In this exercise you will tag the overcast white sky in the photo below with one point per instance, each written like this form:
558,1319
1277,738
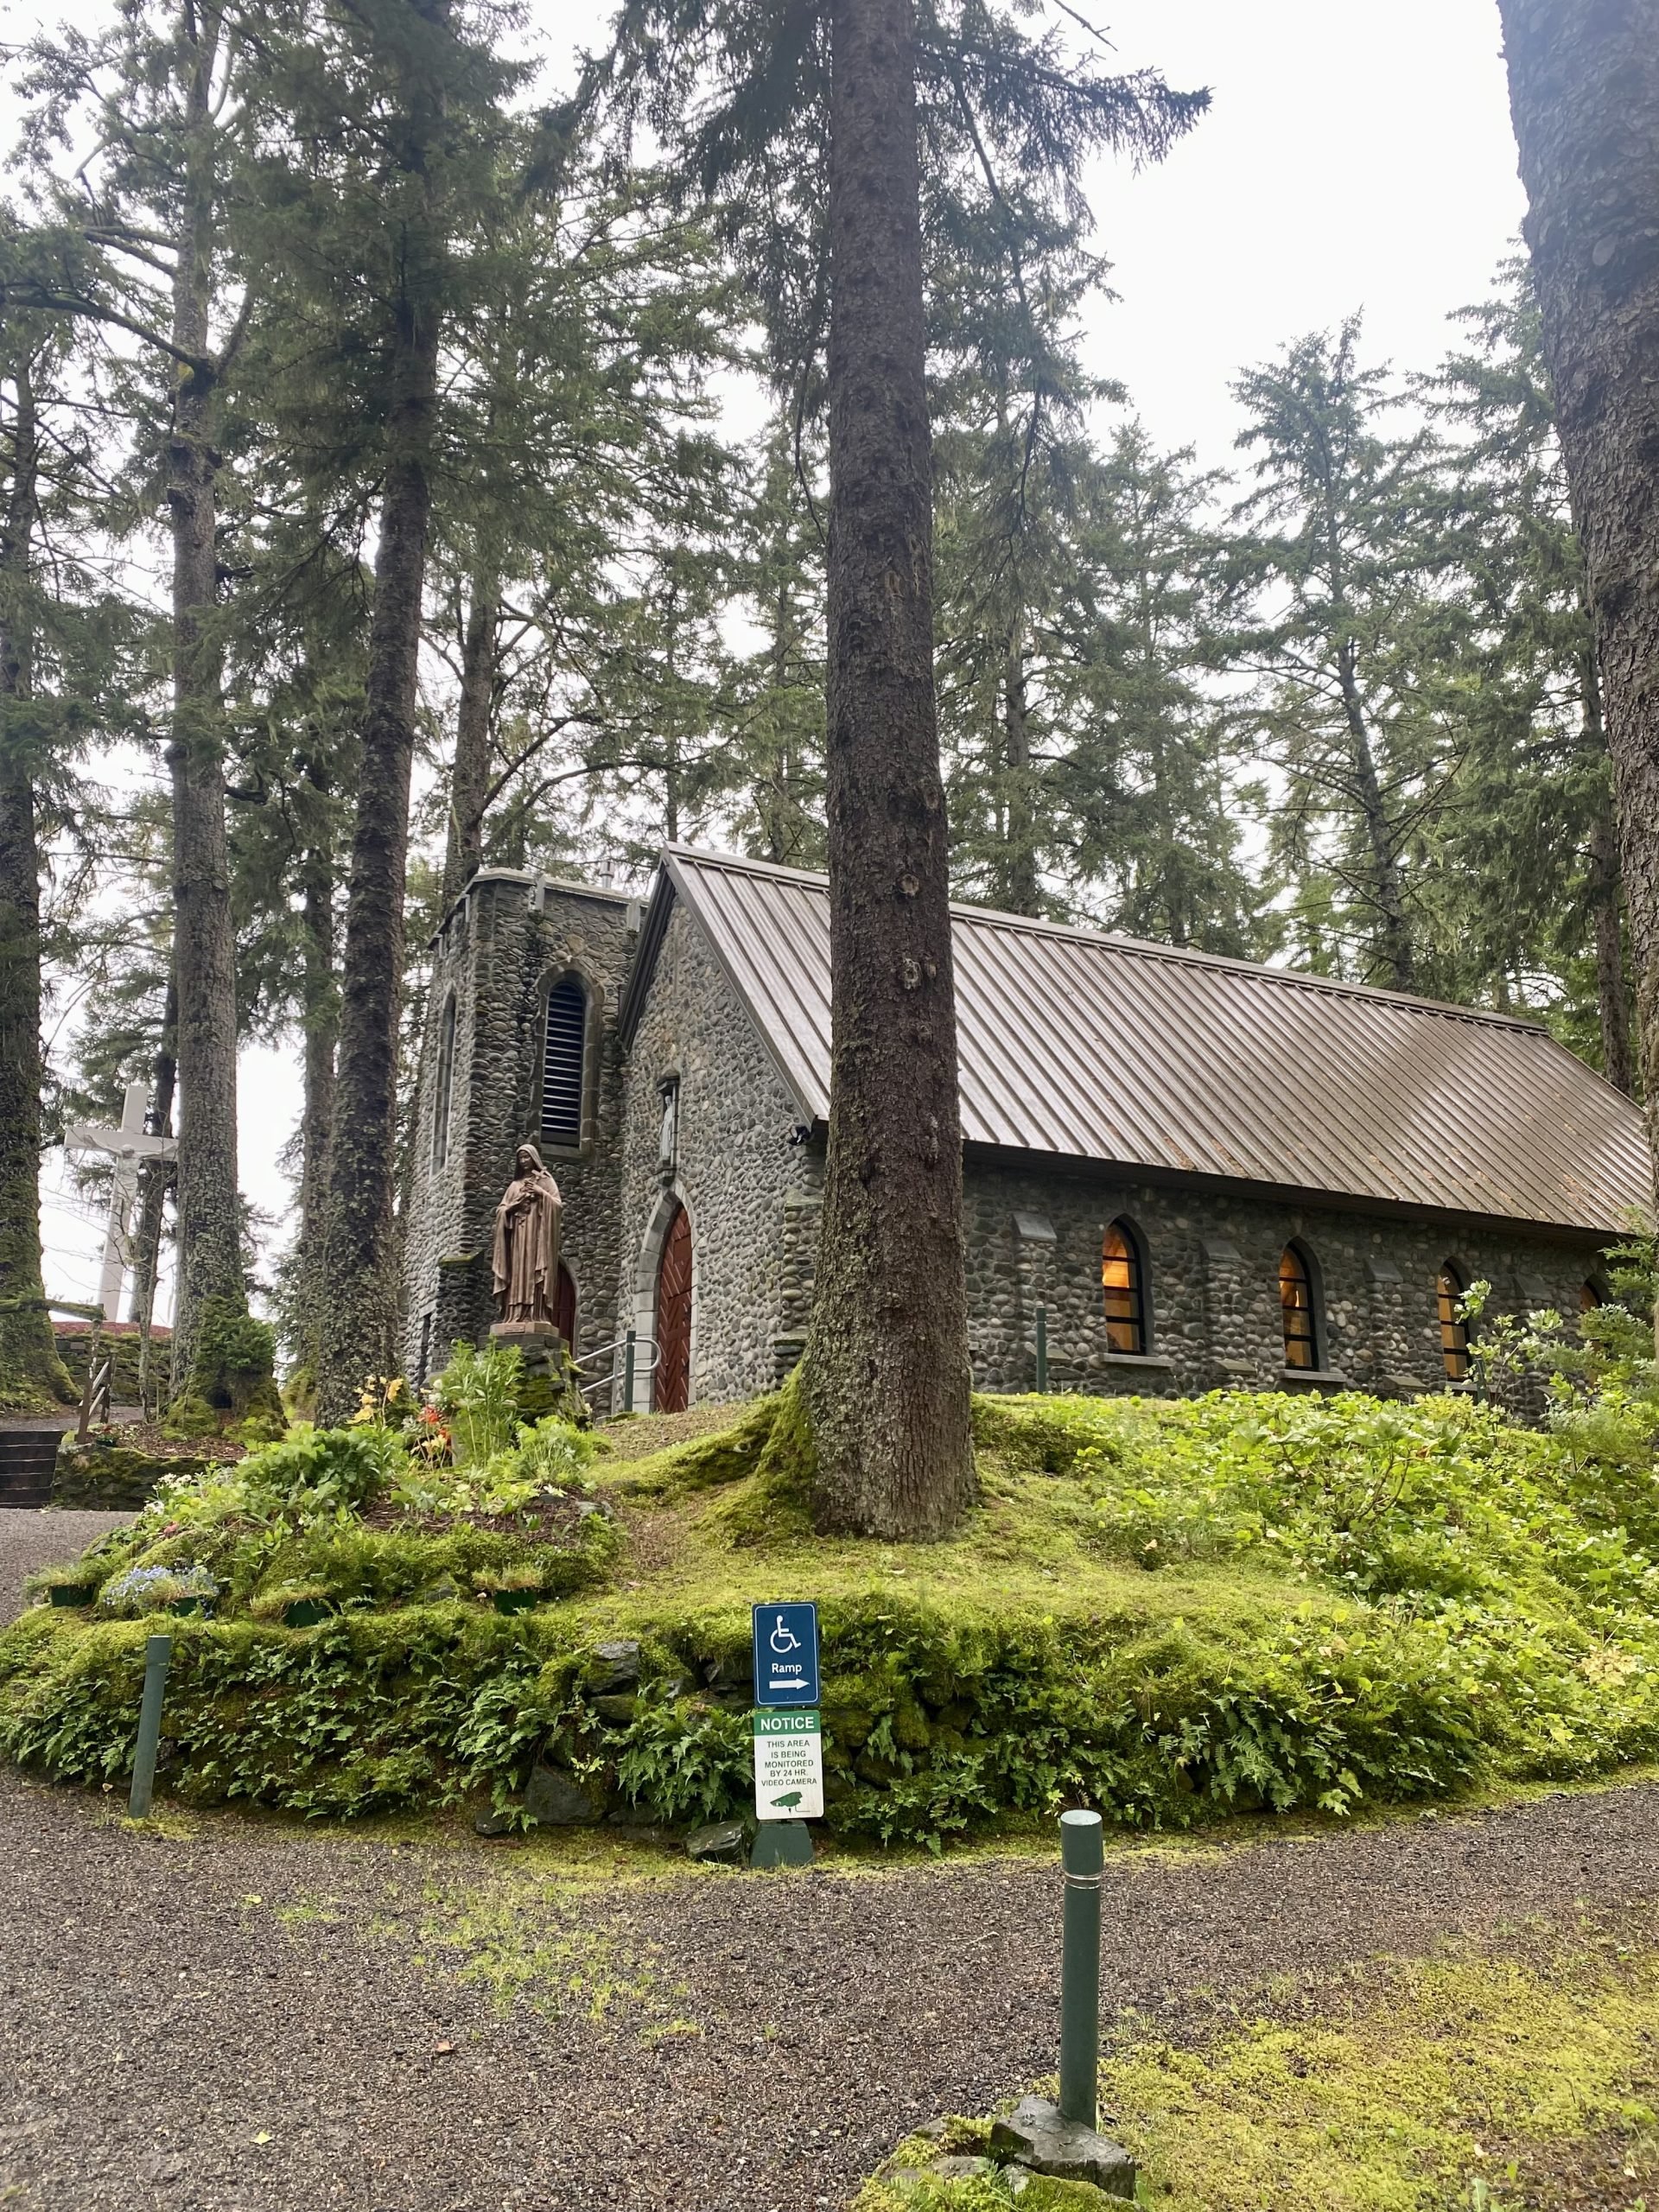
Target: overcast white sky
1354,157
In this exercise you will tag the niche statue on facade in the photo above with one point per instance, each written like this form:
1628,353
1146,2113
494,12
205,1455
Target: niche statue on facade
526,1262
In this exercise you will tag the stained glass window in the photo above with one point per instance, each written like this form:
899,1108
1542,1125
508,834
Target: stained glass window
1296,1308
1454,1329
1125,1295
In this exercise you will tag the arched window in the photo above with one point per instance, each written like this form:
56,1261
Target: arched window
1123,1286
444,1092
564,1055
1298,1309
1589,1298
1454,1329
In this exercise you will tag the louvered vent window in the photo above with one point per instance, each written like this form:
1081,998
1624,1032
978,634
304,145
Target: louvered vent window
562,1062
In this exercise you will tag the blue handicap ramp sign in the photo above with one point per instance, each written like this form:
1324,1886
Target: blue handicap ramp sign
786,1655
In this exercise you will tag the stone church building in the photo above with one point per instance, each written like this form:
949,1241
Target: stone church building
1197,1172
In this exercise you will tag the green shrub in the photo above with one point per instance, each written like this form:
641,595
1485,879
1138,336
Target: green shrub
478,1393
317,1474
1161,1608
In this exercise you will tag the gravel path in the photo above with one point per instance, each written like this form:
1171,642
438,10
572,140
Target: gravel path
240,2016
32,1540
235,2015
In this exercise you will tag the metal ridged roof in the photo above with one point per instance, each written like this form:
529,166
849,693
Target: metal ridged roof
1101,1048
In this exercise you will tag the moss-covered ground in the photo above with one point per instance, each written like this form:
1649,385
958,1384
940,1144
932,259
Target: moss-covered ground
1519,2074
1169,1610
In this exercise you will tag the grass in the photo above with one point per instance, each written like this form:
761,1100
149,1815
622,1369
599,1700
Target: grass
1486,2078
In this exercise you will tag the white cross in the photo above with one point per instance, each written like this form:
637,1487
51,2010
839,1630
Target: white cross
129,1145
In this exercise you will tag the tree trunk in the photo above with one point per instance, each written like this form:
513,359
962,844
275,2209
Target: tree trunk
1584,93
1607,891
1394,935
210,1272
156,1177
32,1376
887,1371
1617,1064
470,781
317,1106
358,1333
1019,890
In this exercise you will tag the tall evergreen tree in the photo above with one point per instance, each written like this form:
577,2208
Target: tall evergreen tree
777,690
1149,781
1584,93
1347,643
142,224
805,127
377,167
31,1373
575,457
1532,842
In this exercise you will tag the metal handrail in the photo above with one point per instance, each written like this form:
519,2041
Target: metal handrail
628,1343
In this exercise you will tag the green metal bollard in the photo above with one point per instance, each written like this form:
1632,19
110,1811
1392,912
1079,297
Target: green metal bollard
158,1653
627,1374
1082,1857
1042,1349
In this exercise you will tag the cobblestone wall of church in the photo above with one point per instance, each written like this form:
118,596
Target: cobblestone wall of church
509,938
735,1170
754,1196
1211,1278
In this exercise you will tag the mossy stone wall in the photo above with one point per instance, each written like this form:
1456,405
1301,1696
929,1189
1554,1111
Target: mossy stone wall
95,1477
510,936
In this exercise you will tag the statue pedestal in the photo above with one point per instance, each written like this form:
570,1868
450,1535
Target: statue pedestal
533,1339
550,1384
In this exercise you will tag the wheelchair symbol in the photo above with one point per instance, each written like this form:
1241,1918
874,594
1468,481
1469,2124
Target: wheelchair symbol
782,1640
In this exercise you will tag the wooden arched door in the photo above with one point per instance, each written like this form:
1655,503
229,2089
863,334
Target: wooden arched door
672,1393
564,1306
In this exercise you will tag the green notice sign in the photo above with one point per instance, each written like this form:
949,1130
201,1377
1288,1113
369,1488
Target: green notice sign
788,1766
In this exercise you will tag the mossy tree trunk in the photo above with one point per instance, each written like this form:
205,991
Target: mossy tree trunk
322,1012
362,1295
1606,892
211,1279
469,779
886,1368
31,1374
1584,94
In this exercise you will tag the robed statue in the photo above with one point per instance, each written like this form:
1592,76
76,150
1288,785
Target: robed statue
526,1255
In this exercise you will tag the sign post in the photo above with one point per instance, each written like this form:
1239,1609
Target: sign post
787,1734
